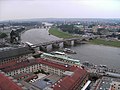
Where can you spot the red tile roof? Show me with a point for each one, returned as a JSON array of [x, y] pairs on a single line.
[[31, 77], [70, 82], [8, 84], [8, 64], [53, 64], [14, 66], [19, 66], [21, 75]]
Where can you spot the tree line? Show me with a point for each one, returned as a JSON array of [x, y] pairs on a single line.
[[71, 29]]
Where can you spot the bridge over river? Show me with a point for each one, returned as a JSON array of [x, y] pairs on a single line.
[[41, 38], [48, 46]]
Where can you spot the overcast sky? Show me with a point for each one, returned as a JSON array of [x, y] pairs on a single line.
[[25, 9]]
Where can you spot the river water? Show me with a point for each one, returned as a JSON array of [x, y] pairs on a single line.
[[36, 36], [96, 54]]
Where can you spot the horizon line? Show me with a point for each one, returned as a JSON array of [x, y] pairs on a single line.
[[62, 18]]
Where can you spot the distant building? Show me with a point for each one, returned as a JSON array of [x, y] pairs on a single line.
[[47, 25]]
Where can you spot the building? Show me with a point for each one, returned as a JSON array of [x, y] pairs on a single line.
[[76, 81], [9, 83], [25, 76], [72, 77], [17, 65], [107, 83], [18, 54], [61, 59], [115, 85], [47, 25], [15, 68], [34, 65]]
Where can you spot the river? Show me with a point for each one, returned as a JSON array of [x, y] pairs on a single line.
[[36, 36], [96, 54]]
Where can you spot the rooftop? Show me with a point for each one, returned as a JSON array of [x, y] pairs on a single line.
[[52, 64], [105, 84], [14, 65], [7, 84], [113, 74], [61, 56], [69, 73], [13, 52], [46, 81], [19, 66], [7, 64], [68, 82]]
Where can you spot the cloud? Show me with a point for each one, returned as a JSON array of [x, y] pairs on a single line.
[[13, 9]]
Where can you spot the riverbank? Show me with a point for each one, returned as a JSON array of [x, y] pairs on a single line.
[[38, 35], [56, 32], [105, 42]]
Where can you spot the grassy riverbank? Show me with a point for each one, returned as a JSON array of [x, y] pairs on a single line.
[[105, 42], [60, 34]]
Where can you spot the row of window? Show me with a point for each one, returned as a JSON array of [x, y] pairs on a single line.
[[36, 67], [12, 58], [49, 57]]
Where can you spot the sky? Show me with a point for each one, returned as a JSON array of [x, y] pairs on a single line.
[[27, 9]]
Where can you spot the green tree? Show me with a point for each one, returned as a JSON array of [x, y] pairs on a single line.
[[119, 36], [118, 30], [3, 35]]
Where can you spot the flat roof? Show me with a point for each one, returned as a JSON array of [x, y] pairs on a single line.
[[69, 73], [86, 85], [105, 83], [42, 83], [113, 74], [46, 81], [62, 57], [57, 52], [14, 52], [53, 64], [69, 82], [7, 84]]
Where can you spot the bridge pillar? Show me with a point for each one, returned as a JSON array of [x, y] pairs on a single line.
[[36, 49], [69, 43], [55, 45], [49, 47], [61, 45], [43, 48], [85, 39], [72, 43], [78, 41], [46, 48]]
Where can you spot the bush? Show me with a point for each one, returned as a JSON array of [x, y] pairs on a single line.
[[3, 35]]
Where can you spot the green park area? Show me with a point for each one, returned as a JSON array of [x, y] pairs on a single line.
[[105, 42], [58, 33]]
